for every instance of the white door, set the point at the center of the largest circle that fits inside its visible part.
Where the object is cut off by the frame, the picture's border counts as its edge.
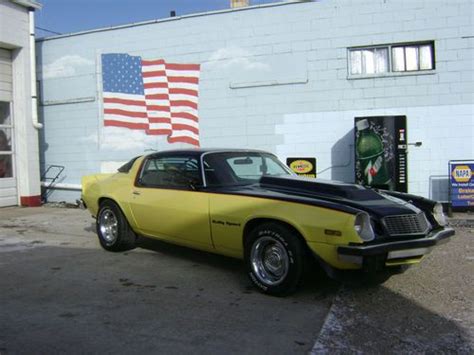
(8, 185)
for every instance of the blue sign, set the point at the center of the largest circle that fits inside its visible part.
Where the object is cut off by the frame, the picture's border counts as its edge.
(461, 177)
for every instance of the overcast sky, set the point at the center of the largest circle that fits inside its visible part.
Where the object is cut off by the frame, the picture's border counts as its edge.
(65, 16)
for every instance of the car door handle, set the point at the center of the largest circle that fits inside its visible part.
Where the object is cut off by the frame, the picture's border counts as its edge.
(136, 192)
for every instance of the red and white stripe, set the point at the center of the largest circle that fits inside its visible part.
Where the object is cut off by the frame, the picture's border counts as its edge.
(183, 84)
(125, 110)
(157, 99)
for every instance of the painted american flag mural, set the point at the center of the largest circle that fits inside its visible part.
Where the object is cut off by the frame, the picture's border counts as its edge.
(157, 97)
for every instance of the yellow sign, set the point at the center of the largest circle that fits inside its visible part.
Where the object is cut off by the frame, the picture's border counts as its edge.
(462, 173)
(301, 166)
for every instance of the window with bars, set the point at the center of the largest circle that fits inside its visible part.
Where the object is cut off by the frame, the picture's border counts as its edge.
(394, 58)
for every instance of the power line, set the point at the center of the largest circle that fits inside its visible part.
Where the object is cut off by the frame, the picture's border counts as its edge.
(46, 30)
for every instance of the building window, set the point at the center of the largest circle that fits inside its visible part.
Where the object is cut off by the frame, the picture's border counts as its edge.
(412, 57)
(379, 60)
(369, 61)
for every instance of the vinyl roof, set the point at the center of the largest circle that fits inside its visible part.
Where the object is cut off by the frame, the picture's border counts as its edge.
(200, 151)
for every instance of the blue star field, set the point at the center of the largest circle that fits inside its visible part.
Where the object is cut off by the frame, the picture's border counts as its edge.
(122, 73)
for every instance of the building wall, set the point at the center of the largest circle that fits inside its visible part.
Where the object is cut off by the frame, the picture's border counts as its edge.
(14, 36)
(276, 78)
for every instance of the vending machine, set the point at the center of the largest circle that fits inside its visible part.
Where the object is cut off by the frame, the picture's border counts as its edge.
(381, 152)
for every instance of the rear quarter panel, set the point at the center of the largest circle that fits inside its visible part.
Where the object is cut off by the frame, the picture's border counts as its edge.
(92, 186)
(117, 187)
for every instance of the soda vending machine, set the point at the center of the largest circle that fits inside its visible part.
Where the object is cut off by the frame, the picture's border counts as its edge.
(381, 152)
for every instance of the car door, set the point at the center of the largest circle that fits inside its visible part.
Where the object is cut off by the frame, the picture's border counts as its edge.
(166, 204)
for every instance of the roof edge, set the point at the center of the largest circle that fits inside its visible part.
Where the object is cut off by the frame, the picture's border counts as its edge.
(169, 19)
(28, 3)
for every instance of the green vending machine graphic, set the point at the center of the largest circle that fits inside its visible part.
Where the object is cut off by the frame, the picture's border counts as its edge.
(380, 152)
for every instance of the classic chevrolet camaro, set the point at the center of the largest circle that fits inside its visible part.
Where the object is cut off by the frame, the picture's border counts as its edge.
(247, 204)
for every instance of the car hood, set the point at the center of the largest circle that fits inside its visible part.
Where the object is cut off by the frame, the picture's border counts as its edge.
(351, 195)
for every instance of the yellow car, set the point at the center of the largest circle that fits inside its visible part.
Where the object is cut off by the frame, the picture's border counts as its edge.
(247, 204)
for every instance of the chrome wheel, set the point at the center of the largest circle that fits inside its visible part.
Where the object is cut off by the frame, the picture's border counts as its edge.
(269, 261)
(108, 226)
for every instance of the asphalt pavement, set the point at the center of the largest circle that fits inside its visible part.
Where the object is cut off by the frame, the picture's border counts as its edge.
(61, 293)
(429, 309)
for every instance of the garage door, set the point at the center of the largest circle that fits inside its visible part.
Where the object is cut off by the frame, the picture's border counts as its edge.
(8, 185)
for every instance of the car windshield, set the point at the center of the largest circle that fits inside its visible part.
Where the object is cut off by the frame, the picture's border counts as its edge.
(240, 168)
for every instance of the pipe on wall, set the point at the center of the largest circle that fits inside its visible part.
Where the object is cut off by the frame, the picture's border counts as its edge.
(34, 97)
(62, 186)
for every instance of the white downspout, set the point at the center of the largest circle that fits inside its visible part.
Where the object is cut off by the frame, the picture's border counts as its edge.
(34, 98)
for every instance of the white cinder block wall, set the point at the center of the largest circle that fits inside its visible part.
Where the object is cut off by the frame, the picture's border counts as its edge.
(276, 78)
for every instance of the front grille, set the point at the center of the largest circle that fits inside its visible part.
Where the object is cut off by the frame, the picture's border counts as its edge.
(407, 224)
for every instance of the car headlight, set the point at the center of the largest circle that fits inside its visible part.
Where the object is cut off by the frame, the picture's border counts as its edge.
(363, 227)
(439, 215)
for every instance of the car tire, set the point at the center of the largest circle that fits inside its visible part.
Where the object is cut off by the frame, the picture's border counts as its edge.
(113, 229)
(274, 258)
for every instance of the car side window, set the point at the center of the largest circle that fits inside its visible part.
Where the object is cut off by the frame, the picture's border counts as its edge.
(240, 168)
(173, 172)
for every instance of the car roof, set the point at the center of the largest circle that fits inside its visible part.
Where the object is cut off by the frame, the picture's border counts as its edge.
(197, 152)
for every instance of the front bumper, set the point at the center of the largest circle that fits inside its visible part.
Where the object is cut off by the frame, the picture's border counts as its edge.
(393, 251)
